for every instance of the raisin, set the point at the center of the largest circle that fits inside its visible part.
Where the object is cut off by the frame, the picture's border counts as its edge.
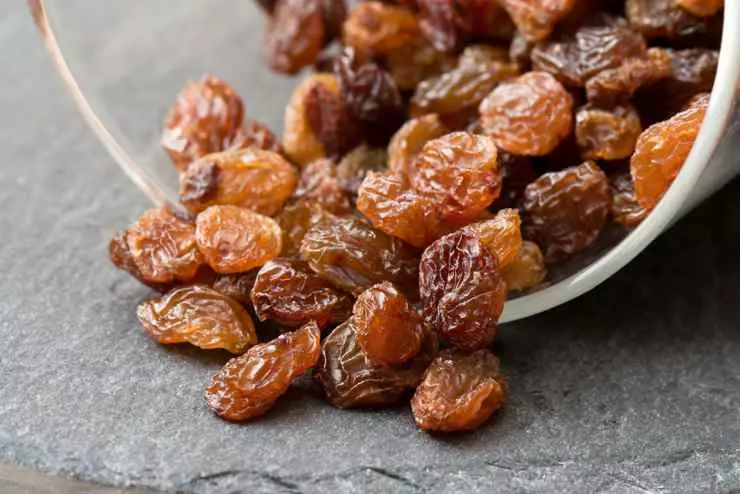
(206, 118)
(502, 235)
(387, 328)
(335, 13)
(331, 121)
(237, 286)
(319, 183)
(591, 49)
(251, 178)
(565, 211)
(701, 8)
(288, 292)
(662, 150)
(527, 270)
(413, 62)
(356, 164)
(607, 134)
(295, 35)
(379, 28)
(257, 135)
(233, 239)
(530, 115)
(159, 248)
(295, 220)
(408, 142)
(354, 256)
(516, 173)
(460, 391)
(520, 51)
(350, 379)
(662, 19)
(459, 172)
(461, 290)
(249, 385)
(200, 316)
(536, 19)
(625, 208)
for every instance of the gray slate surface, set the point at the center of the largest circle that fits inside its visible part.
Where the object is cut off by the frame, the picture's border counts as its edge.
(634, 387)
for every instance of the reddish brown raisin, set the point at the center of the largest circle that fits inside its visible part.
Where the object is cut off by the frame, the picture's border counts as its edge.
(249, 385)
(295, 35)
(379, 28)
(527, 270)
(206, 118)
(234, 239)
(536, 19)
(502, 235)
(408, 142)
(356, 164)
(288, 292)
(701, 8)
(257, 135)
(460, 391)
(565, 211)
(414, 62)
(237, 286)
(462, 290)
(530, 115)
(625, 208)
(200, 316)
(295, 220)
(330, 119)
(350, 379)
(607, 134)
(516, 173)
(319, 183)
(662, 19)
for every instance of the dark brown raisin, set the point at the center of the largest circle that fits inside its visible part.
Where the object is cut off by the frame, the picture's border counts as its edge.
(536, 19)
(607, 134)
(319, 183)
(625, 208)
(501, 234)
(295, 35)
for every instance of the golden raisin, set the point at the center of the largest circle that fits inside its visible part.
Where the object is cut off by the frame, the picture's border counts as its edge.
(536, 19)
(625, 208)
(356, 164)
(607, 134)
(527, 270)
(295, 220)
(295, 35)
(379, 28)
(416, 61)
(237, 286)
(408, 141)
(502, 235)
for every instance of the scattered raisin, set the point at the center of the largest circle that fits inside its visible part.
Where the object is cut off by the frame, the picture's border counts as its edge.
(502, 235)
(295, 220)
(379, 28)
(625, 208)
(319, 183)
(295, 35)
(607, 134)
(408, 142)
(536, 19)
(356, 164)
(527, 270)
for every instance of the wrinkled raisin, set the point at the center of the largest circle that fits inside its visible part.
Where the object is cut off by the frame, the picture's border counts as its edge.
(527, 270)
(413, 62)
(565, 211)
(237, 286)
(408, 142)
(607, 134)
(662, 19)
(516, 173)
(295, 35)
(331, 121)
(625, 208)
(249, 385)
(295, 220)
(200, 316)
(233, 239)
(701, 8)
(356, 164)
(530, 115)
(257, 135)
(502, 235)
(536, 19)
(319, 183)
(379, 28)
(461, 290)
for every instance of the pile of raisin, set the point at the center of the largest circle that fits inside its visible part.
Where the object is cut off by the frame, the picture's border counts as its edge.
(437, 156)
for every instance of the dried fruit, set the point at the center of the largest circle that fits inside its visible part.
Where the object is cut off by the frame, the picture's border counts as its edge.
(530, 115)
(527, 270)
(408, 142)
(350, 379)
(200, 316)
(662, 19)
(257, 135)
(295, 35)
(520, 51)
(356, 164)
(565, 211)
(535, 19)
(502, 235)
(249, 385)
(413, 62)
(701, 8)
(331, 121)
(233, 239)
(295, 220)
(387, 328)
(661, 151)
(237, 286)
(461, 290)
(516, 173)
(251, 178)
(288, 292)
(625, 208)
(460, 391)
(206, 118)
(607, 134)
(319, 183)
(378, 28)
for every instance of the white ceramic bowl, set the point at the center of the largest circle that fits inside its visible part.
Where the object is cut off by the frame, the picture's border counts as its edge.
(178, 41)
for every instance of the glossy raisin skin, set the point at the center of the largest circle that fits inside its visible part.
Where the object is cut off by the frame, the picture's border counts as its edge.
(206, 118)
(350, 379)
(625, 208)
(409, 140)
(461, 290)
(529, 116)
(460, 391)
(662, 19)
(527, 270)
(249, 385)
(378, 28)
(607, 134)
(356, 164)
(200, 316)
(237, 286)
(234, 240)
(501, 234)
(536, 19)
(289, 293)
(565, 211)
(354, 256)
(295, 35)
(414, 62)
(295, 220)
(387, 328)
(251, 178)
(319, 183)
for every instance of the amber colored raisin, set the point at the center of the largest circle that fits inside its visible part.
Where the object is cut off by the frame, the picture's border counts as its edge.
(536, 19)
(233, 239)
(459, 172)
(251, 178)
(356, 164)
(416, 61)
(295, 35)
(407, 143)
(200, 316)
(607, 134)
(701, 8)
(460, 391)
(530, 115)
(662, 19)
(319, 183)
(354, 256)
(527, 270)
(237, 286)
(461, 290)
(662, 150)
(516, 173)
(502, 235)
(590, 50)
(350, 379)
(206, 118)
(288, 292)
(160, 248)
(625, 208)
(564, 212)
(378, 28)
(387, 328)
(249, 385)
(257, 135)
(295, 220)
